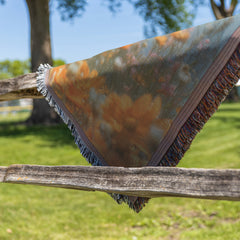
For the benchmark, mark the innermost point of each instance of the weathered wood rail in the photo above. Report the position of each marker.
(146, 181)
(24, 86)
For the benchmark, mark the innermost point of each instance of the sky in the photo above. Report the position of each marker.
(96, 31)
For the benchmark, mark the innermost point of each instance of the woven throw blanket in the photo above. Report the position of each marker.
(142, 104)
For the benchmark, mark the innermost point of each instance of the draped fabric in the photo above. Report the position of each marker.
(142, 104)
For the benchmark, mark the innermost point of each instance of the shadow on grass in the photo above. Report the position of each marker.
(222, 110)
(233, 120)
(53, 135)
(228, 114)
(60, 135)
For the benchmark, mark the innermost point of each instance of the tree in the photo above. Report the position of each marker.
(221, 10)
(40, 53)
(167, 15)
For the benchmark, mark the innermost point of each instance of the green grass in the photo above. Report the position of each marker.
(39, 213)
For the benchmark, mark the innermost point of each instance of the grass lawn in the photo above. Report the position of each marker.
(34, 212)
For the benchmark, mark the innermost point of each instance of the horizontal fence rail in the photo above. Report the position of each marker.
(24, 86)
(146, 182)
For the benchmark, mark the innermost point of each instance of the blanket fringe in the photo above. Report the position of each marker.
(42, 74)
(217, 92)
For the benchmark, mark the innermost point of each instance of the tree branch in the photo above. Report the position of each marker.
(215, 9)
(24, 86)
(223, 4)
(233, 6)
(220, 11)
(146, 181)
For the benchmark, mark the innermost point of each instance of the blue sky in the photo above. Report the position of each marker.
(96, 31)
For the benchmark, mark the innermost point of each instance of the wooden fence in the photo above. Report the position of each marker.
(146, 181)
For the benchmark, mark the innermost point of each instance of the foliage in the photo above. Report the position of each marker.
(34, 212)
(58, 62)
(70, 9)
(9, 69)
(13, 68)
(164, 15)
(167, 16)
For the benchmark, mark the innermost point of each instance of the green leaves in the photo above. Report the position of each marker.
(13, 68)
(9, 69)
(161, 15)
(165, 15)
(70, 9)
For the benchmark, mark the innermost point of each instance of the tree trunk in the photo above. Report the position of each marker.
(220, 11)
(40, 53)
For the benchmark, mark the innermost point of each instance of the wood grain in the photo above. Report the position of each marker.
(146, 181)
(24, 86)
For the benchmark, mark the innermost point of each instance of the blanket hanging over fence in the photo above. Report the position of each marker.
(142, 104)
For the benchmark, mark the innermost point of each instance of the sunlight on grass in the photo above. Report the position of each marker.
(217, 145)
(33, 212)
